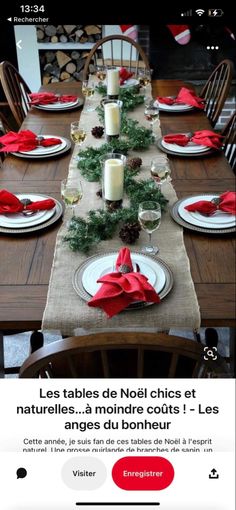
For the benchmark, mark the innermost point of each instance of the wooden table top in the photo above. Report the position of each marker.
(26, 261)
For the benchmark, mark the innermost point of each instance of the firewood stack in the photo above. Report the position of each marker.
(65, 65)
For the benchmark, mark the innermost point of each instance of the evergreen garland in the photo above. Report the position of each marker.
(129, 96)
(136, 138)
(90, 159)
(101, 224)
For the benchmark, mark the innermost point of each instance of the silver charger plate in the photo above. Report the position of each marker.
(19, 220)
(185, 154)
(80, 290)
(25, 230)
(174, 211)
(61, 108)
(48, 155)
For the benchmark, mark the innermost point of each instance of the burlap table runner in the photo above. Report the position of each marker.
(66, 311)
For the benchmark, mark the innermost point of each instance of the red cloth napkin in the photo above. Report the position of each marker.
(49, 98)
(9, 203)
(225, 202)
(124, 75)
(119, 289)
(185, 96)
(24, 141)
(204, 137)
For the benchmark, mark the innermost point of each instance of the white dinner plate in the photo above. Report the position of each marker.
(131, 82)
(104, 265)
(155, 269)
(59, 106)
(191, 148)
(217, 220)
(18, 220)
(173, 107)
(42, 151)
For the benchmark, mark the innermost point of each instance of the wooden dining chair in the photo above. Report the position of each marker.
(4, 124)
(216, 89)
(4, 128)
(122, 354)
(229, 147)
(16, 91)
(117, 50)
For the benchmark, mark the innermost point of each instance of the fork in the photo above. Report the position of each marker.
(29, 213)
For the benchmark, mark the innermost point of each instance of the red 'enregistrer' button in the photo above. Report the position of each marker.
(143, 473)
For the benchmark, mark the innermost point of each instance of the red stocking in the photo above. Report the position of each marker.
(130, 31)
(230, 33)
(181, 33)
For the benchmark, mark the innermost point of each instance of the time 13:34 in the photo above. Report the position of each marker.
(32, 8)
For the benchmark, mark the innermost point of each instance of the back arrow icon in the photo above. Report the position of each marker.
(18, 44)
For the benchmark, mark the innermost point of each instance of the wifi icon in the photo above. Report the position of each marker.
(200, 12)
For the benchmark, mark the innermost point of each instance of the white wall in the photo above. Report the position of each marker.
(28, 57)
(116, 30)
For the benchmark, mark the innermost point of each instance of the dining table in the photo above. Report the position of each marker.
(26, 260)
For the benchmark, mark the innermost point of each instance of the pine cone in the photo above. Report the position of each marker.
(134, 163)
(97, 131)
(99, 193)
(129, 233)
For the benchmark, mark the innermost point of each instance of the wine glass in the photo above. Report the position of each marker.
(88, 89)
(78, 134)
(71, 192)
(152, 114)
(101, 72)
(160, 172)
(144, 77)
(149, 215)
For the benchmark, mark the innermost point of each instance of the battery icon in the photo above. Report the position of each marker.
(215, 13)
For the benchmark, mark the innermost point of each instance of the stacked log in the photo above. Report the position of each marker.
(62, 65)
(65, 65)
(68, 33)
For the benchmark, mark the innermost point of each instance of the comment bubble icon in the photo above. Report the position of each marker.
(21, 473)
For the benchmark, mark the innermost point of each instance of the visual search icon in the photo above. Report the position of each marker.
(210, 353)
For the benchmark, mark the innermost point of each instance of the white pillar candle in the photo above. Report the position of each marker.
(113, 179)
(112, 119)
(113, 82)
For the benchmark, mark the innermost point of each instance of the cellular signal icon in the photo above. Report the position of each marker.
(200, 12)
(187, 13)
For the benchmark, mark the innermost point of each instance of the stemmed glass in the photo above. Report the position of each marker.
(144, 77)
(152, 114)
(71, 192)
(160, 172)
(149, 215)
(78, 135)
(88, 89)
(101, 72)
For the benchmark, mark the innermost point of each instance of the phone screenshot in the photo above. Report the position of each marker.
(117, 267)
